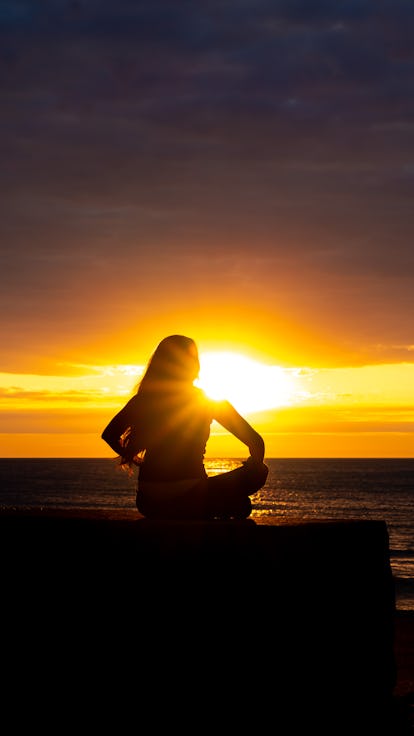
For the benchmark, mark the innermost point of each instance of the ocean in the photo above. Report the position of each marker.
(296, 490)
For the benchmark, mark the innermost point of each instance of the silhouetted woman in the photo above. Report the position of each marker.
(164, 428)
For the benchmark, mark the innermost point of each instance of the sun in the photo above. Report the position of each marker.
(249, 385)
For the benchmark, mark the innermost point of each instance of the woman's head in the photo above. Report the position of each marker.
(175, 360)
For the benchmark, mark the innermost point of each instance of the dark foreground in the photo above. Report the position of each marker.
(201, 626)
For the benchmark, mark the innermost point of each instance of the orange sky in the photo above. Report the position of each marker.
(241, 173)
(365, 411)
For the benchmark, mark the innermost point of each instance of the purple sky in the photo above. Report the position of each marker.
(157, 157)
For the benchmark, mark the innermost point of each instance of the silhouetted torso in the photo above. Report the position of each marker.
(177, 429)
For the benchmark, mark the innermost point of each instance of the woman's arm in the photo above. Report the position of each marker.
(231, 420)
(113, 431)
(117, 426)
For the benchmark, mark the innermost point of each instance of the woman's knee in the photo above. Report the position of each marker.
(255, 475)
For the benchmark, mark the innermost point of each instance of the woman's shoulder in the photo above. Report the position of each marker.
(200, 395)
(203, 399)
(134, 400)
(216, 406)
(133, 405)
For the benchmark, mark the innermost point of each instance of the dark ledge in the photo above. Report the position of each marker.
(289, 608)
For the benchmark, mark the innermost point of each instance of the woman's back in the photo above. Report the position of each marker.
(176, 427)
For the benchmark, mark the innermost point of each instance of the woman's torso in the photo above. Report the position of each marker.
(176, 427)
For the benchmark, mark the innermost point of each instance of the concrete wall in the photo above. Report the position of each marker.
(253, 621)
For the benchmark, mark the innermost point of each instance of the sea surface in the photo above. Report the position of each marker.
(296, 489)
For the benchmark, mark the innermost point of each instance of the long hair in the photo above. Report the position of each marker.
(175, 361)
(174, 365)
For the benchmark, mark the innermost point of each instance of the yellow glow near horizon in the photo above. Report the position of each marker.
(361, 411)
(250, 386)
